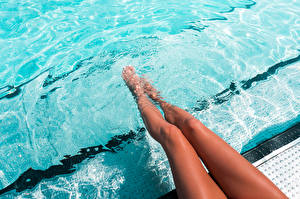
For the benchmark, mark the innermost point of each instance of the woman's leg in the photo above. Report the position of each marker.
(234, 174)
(191, 179)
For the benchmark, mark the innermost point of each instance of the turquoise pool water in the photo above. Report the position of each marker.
(233, 64)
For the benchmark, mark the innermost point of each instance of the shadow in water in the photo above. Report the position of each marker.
(269, 133)
(199, 27)
(235, 88)
(31, 177)
(108, 56)
(142, 178)
(11, 91)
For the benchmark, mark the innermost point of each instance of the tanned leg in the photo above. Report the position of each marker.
(191, 179)
(234, 174)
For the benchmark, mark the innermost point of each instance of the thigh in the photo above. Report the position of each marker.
(233, 173)
(190, 177)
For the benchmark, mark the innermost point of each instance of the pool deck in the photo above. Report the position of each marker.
(278, 158)
(282, 168)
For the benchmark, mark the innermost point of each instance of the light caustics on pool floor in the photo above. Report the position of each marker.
(61, 88)
(31, 177)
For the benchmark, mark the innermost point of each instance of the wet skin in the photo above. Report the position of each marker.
(186, 141)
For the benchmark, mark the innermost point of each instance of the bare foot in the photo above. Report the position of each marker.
(151, 91)
(133, 81)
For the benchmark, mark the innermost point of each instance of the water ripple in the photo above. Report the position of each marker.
(60, 80)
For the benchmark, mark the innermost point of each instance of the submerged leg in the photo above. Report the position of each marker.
(234, 174)
(190, 177)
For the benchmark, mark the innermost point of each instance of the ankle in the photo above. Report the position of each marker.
(144, 102)
(141, 98)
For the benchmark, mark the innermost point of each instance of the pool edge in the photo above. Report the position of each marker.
(264, 151)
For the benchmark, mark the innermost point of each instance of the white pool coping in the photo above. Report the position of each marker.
(282, 167)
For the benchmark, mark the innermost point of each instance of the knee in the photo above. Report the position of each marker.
(192, 124)
(170, 134)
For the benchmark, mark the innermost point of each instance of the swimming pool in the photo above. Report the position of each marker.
(234, 64)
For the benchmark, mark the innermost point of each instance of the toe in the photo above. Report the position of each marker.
(129, 69)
